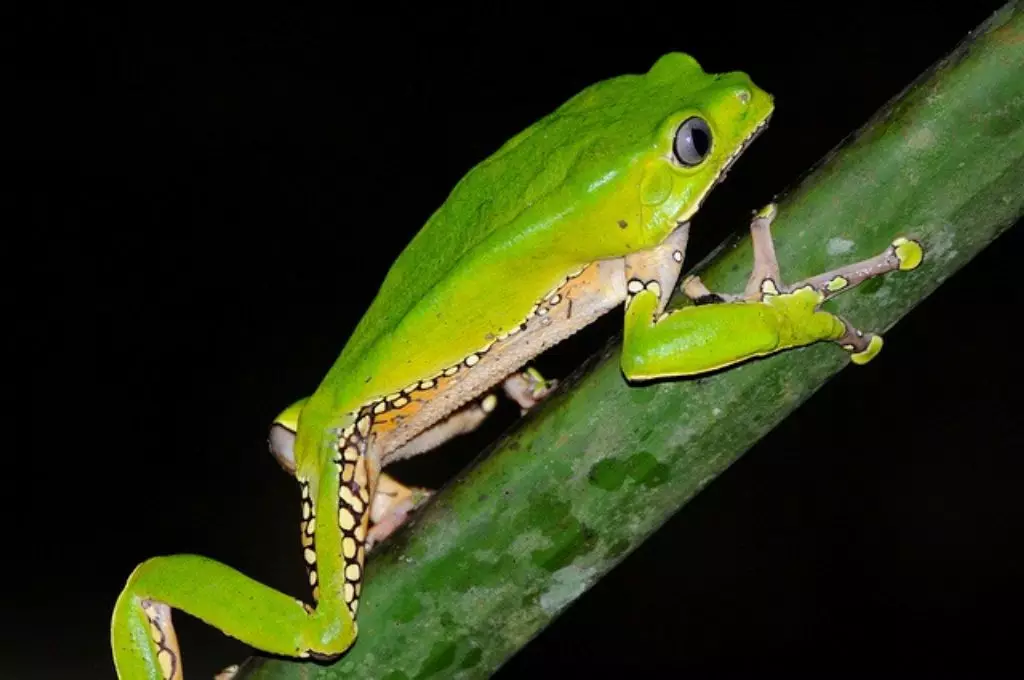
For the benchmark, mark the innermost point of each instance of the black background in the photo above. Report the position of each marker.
(213, 201)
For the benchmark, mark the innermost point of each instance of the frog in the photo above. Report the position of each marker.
(585, 211)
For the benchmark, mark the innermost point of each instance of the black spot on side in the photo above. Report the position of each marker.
(623, 224)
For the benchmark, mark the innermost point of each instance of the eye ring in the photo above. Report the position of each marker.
(693, 142)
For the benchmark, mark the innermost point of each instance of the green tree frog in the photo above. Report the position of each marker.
(585, 210)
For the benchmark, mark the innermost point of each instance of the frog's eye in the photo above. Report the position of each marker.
(693, 142)
(281, 442)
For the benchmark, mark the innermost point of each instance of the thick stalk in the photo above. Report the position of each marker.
(555, 505)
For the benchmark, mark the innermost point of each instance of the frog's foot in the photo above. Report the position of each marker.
(765, 281)
(528, 388)
(393, 503)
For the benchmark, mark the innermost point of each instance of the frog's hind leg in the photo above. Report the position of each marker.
(527, 388)
(765, 281)
(394, 502)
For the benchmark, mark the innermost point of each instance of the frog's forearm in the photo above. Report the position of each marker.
(769, 317)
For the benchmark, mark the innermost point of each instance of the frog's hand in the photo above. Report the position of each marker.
(767, 318)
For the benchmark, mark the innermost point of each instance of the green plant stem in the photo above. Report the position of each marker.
(558, 503)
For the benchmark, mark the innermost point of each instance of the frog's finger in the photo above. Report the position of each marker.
(903, 254)
(766, 264)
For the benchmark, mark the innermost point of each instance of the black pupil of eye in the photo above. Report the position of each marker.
(701, 140)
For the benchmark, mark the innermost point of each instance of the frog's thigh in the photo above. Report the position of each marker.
(394, 502)
(461, 422)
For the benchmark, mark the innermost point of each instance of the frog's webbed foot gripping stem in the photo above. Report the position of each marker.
(724, 329)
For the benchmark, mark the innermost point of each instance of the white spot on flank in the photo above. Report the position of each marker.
(839, 246)
(716, 411)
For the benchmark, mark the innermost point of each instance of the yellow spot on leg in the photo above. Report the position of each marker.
(346, 520)
(349, 499)
(166, 660)
(353, 572)
(348, 547)
(350, 592)
(363, 425)
(348, 472)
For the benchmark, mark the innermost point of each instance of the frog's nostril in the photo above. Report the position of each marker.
(743, 96)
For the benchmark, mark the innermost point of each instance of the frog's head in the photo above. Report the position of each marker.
(658, 142)
(701, 123)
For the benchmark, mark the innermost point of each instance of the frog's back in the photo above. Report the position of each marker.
(529, 177)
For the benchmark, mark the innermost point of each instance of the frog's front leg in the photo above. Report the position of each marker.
(768, 317)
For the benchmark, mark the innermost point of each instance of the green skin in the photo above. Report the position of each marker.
(597, 186)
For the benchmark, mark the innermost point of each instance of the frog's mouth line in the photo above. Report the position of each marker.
(720, 177)
(739, 152)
